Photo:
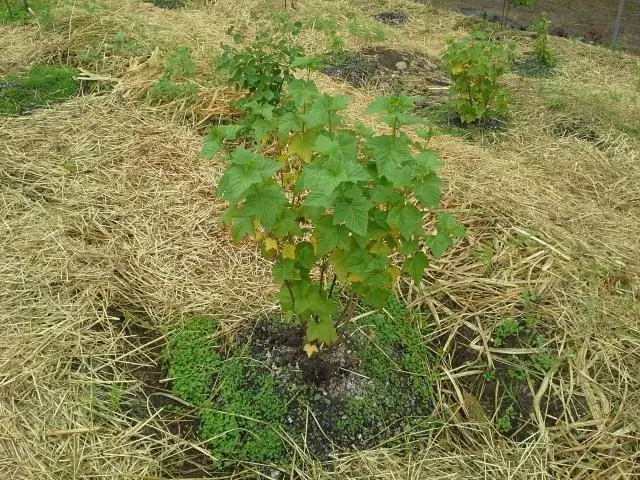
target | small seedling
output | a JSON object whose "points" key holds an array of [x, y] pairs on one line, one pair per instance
{"points": [[507, 328], [504, 423], [489, 376], [541, 42]]}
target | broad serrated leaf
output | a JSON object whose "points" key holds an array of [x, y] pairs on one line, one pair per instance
{"points": [[211, 146], [301, 144], [338, 260], [407, 219], [241, 224], [265, 202], [286, 225], [428, 161], [446, 224], [262, 128], [228, 132], [323, 331], [427, 190], [285, 270], [354, 213], [390, 155], [415, 265], [302, 91], [305, 255], [329, 236], [313, 62], [438, 243]]}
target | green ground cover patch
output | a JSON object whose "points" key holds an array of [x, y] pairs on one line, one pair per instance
{"points": [[41, 86]]}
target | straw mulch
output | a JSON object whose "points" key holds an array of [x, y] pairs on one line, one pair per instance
{"points": [[104, 203]]}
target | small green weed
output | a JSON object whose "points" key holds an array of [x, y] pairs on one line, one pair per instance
{"points": [[475, 64], [239, 424], [167, 4], [43, 85], [505, 422], [507, 328], [369, 33]]}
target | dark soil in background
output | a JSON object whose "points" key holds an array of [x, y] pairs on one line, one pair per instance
{"points": [[391, 71], [587, 19]]}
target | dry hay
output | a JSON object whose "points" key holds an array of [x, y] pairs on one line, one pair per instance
{"points": [[105, 203]]}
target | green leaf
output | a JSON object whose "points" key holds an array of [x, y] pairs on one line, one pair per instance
{"points": [[338, 260], [304, 255], [354, 213], [241, 224], [286, 225], [406, 219], [247, 169], [394, 110], [438, 243], [428, 161], [313, 62], [329, 236], [446, 223], [285, 270], [427, 190], [415, 266], [265, 202], [323, 331], [301, 144], [211, 146], [390, 154], [228, 132], [262, 128], [302, 91]]}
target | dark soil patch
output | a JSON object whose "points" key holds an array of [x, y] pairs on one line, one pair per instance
{"points": [[372, 387], [390, 70], [530, 66], [394, 19], [592, 22], [167, 4]]}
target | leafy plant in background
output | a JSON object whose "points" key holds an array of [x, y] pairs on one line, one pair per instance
{"points": [[541, 42], [175, 83], [330, 203], [475, 65], [263, 67]]}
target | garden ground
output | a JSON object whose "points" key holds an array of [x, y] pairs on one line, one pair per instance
{"points": [[110, 241]]}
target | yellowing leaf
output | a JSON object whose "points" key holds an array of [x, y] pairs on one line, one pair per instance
{"points": [[259, 235], [282, 158], [301, 144], [394, 272], [290, 178], [270, 244], [289, 251], [456, 69], [310, 349], [355, 278]]}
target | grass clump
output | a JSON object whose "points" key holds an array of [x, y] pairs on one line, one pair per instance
{"points": [[21, 11], [43, 85], [179, 67]]}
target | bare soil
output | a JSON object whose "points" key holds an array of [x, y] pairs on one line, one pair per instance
{"points": [[587, 19]]}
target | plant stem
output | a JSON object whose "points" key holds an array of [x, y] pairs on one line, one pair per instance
{"points": [[333, 284], [293, 298]]}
